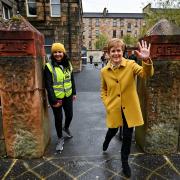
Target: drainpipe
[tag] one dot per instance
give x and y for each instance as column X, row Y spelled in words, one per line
column 44, row 8
column 69, row 29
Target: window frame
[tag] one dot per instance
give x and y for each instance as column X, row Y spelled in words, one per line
column 97, row 24
column 114, row 22
column 129, row 27
column 121, row 22
column 114, row 34
column 27, row 8
column 49, row 40
column 9, row 9
column 51, row 9
column 97, row 32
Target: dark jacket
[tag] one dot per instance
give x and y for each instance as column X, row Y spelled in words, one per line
column 49, row 80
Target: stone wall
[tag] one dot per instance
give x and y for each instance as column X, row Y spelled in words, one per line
column 160, row 95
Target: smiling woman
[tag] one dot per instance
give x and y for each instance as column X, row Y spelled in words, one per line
column 118, row 85
column 60, row 86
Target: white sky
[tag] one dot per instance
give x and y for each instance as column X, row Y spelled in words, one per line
column 118, row 6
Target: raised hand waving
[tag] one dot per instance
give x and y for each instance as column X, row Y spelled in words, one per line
column 144, row 50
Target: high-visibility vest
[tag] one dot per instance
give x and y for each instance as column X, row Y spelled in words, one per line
column 61, row 81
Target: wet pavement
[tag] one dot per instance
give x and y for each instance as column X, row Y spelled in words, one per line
column 82, row 157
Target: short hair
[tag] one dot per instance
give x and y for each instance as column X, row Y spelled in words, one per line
column 114, row 42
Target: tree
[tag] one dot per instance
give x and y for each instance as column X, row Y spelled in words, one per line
column 166, row 9
column 101, row 42
column 130, row 40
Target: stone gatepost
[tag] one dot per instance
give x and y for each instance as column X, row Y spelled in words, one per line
column 2, row 143
column 24, row 107
column 160, row 94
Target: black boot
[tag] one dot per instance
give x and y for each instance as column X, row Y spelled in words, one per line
column 109, row 135
column 126, row 169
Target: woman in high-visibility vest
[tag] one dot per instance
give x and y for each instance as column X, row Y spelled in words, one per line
column 60, row 86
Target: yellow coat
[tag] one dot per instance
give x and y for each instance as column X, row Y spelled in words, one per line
column 118, row 90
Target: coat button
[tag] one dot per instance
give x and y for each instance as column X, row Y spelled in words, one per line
column 119, row 95
column 123, row 107
column 117, row 81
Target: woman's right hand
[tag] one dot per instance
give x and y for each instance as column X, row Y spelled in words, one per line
column 58, row 104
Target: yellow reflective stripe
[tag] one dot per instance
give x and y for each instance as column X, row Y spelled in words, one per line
column 53, row 71
column 58, row 83
column 67, row 80
column 68, row 89
column 58, row 89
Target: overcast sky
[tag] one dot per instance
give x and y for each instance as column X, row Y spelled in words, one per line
column 120, row 6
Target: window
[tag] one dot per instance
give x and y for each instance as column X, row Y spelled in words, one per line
column 121, row 33
column 97, row 32
column 135, row 34
column 114, row 33
column 55, row 8
column 136, row 23
column 90, row 33
column 90, row 45
column 114, row 23
column 6, row 12
column 31, row 8
column 90, row 22
column 97, row 22
column 48, row 42
column 121, row 23
column 129, row 27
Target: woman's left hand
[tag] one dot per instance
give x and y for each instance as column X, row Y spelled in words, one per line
column 74, row 97
column 144, row 50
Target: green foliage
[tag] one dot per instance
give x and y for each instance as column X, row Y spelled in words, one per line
column 166, row 9
column 130, row 40
column 101, row 42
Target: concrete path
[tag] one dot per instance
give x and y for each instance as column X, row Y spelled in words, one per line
column 82, row 157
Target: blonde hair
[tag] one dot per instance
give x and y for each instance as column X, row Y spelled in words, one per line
column 115, row 42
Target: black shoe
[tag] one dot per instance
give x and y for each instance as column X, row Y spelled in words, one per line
column 126, row 169
column 68, row 133
column 105, row 145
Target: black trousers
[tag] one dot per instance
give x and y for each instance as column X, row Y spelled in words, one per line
column 67, row 106
column 126, row 141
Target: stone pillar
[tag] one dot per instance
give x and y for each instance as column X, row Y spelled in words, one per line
column 24, row 107
column 2, row 143
column 160, row 94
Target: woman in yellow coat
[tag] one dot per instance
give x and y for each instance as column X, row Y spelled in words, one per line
column 119, row 95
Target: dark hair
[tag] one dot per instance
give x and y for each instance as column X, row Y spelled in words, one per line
column 64, row 62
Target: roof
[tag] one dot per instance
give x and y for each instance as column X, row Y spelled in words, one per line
column 164, row 27
column 113, row 15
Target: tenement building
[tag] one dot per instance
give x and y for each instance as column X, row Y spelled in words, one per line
column 59, row 21
column 110, row 25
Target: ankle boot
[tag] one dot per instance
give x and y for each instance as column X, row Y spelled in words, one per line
column 126, row 169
